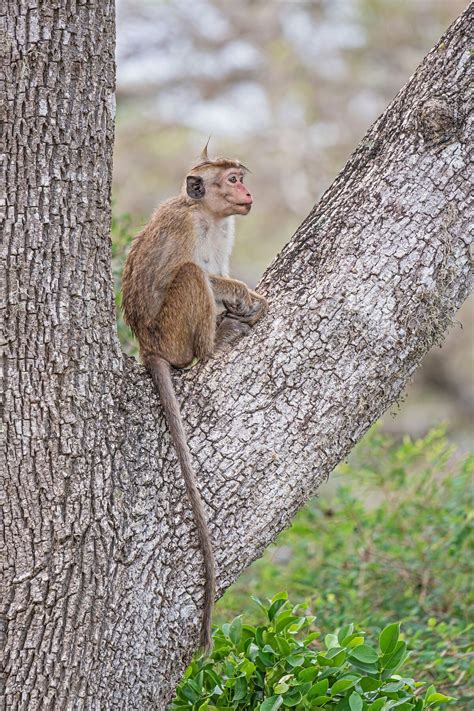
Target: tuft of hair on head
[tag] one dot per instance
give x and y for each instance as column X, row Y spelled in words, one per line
column 204, row 155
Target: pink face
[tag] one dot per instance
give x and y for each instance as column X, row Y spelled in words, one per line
column 236, row 192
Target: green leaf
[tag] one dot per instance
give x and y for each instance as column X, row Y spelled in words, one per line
column 367, row 669
column 368, row 683
column 283, row 646
column 355, row 701
column 364, row 653
column 389, row 637
column 285, row 620
column 338, row 659
column 342, row 685
column 283, row 595
column 437, row 698
column 345, row 632
column 296, row 626
column 323, row 661
column 331, row 641
column 271, row 704
column 266, row 660
column 189, row 693
column 342, row 705
column 378, row 705
column 318, row 689
column 240, row 689
column 235, row 630
column 355, row 642
column 260, row 634
column 292, row 698
column 393, row 686
column 247, row 667
column 310, row 674
column 274, row 608
column 320, row 700
column 295, row 661
column 303, row 688
column 430, row 690
column 396, row 658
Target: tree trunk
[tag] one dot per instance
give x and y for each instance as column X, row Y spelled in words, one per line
column 103, row 577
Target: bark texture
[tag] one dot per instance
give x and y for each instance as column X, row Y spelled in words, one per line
column 103, row 576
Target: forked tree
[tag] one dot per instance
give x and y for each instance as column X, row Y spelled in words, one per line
column 103, row 578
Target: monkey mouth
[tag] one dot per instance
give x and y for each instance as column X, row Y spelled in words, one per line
column 240, row 207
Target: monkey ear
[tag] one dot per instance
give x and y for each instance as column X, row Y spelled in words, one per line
column 195, row 187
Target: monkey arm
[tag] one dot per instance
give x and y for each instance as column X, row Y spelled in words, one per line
column 241, row 302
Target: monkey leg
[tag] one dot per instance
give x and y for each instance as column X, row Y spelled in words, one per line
column 228, row 332
column 187, row 319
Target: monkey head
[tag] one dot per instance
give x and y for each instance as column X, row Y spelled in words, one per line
column 219, row 187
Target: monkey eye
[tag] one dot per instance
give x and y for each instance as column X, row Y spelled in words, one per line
column 232, row 179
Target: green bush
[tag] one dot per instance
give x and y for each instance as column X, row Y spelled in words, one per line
column 389, row 539
column 282, row 663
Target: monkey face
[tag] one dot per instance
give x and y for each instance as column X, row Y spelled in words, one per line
column 221, row 190
column 234, row 192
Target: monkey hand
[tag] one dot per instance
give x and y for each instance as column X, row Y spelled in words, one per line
column 249, row 309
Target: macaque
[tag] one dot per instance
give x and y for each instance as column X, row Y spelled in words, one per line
column 181, row 304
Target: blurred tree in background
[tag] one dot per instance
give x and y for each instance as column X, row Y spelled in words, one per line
column 289, row 87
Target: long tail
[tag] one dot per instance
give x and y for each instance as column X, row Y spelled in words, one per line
column 159, row 370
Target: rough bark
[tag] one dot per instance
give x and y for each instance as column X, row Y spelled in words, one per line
column 103, row 576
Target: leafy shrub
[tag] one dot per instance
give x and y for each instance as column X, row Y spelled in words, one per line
column 283, row 664
column 390, row 539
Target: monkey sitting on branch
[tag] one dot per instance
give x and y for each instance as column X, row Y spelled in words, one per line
column 181, row 304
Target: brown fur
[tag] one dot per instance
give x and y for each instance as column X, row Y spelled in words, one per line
column 171, row 299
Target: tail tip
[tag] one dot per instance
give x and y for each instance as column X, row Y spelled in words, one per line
column 205, row 642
